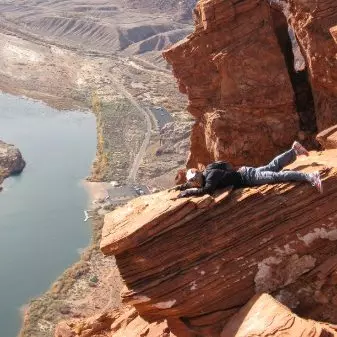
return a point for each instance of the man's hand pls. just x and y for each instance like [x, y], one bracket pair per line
[182, 194]
[187, 193]
[174, 188]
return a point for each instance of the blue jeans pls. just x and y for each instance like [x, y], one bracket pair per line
[270, 174]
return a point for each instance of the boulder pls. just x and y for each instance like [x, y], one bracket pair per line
[197, 261]
[263, 316]
[328, 138]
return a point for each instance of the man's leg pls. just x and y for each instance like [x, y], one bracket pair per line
[284, 159]
[278, 163]
[269, 177]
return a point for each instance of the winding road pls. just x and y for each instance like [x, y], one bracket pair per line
[139, 157]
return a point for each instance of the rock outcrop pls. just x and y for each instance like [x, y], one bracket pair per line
[328, 138]
[313, 24]
[263, 316]
[197, 261]
[237, 82]
[246, 87]
[11, 161]
[123, 323]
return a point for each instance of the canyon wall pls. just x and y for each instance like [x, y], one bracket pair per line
[237, 82]
[238, 70]
[313, 23]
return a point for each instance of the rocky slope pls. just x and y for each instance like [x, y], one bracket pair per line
[198, 260]
[11, 161]
[262, 316]
[238, 70]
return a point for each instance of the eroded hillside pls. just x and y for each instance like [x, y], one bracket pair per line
[130, 27]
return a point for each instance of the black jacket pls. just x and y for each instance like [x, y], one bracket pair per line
[214, 179]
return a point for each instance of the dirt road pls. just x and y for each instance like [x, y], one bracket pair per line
[136, 163]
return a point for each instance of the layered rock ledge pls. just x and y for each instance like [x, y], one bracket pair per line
[197, 261]
[11, 161]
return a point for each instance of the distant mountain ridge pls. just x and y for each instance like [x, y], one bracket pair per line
[134, 27]
[181, 9]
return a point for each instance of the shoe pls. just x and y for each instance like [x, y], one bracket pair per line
[299, 149]
[315, 181]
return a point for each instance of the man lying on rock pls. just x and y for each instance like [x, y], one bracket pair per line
[220, 175]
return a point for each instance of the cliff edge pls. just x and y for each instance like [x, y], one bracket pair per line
[196, 266]
[199, 260]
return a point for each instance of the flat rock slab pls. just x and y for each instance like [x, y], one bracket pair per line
[147, 216]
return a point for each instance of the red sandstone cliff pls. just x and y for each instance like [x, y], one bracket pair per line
[313, 23]
[238, 71]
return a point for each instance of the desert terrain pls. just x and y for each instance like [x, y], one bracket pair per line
[104, 56]
[74, 55]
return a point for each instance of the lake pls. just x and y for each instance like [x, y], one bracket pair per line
[41, 211]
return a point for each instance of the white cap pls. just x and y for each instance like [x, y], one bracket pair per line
[190, 174]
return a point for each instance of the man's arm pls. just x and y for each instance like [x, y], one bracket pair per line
[182, 187]
[211, 184]
[214, 180]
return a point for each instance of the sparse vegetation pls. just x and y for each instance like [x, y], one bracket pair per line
[120, 132]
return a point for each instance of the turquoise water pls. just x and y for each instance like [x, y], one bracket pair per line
[41, 211]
